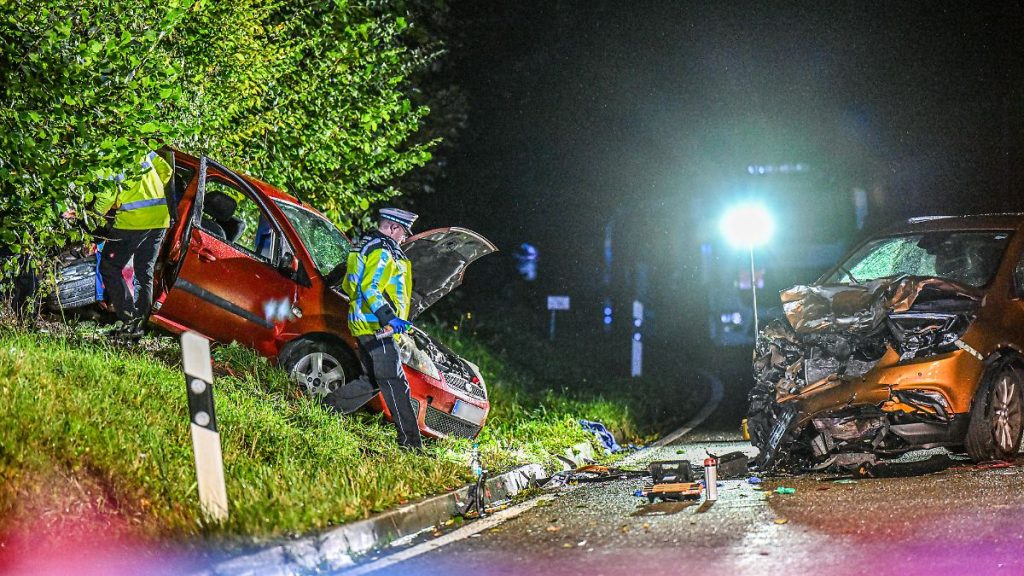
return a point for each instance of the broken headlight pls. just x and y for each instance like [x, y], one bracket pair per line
[919, 334]
[414, 358]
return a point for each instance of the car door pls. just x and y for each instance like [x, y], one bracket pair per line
[235, 278]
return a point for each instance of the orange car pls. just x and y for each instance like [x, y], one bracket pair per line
[914, 340]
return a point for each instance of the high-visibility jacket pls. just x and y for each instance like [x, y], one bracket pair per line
[378, 281]
[141, 205]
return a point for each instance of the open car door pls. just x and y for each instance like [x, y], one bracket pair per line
[235, 276]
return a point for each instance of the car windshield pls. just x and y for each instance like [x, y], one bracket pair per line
[967, 257]
[325, 243]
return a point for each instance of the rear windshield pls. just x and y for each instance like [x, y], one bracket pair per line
[967, 257]
[325, 243]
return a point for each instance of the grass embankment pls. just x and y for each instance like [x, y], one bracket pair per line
[114, 421]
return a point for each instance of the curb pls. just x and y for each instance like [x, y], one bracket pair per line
[336, 549]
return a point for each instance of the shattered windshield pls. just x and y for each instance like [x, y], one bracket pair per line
[325, 243]
[967, 257]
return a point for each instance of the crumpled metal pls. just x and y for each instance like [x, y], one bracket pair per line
[859, 308]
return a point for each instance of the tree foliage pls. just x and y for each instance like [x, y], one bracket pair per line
[311, 96]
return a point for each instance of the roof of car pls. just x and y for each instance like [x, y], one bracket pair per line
[1002, 221]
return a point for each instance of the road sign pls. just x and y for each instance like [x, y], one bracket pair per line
[195, 359]
[558, 302]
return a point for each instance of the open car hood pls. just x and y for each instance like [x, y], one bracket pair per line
[862, 308]
[439, 259]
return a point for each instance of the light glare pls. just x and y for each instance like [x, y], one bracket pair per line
[747, 226]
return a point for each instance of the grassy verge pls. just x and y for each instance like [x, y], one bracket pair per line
[116, 420]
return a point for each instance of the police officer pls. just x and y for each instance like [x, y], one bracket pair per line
[378, 281]
[139, 226]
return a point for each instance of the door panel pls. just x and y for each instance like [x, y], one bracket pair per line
[225, 289]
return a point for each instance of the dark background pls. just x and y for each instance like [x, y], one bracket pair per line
[651, 112]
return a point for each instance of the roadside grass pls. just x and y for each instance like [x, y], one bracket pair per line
[120, 419]
[117, 418]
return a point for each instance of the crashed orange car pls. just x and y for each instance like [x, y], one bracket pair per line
[914, 340]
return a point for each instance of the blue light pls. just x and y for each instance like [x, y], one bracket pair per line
[636, 336]
[607, 310]
[607, 320]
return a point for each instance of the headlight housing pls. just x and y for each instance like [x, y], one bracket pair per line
[415, 358]
[920, 334]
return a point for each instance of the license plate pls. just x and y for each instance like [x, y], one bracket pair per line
[467, 411]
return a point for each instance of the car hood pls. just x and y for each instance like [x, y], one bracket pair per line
[863, 308]
[439, 259]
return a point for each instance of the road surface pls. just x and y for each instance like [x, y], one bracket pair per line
[943, 517]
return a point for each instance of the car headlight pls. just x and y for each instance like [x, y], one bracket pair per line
[415, 358]
[920, 334]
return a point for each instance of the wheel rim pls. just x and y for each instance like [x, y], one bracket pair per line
[1006, 412]
[318, 374]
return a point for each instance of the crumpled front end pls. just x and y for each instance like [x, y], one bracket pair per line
[863, 371]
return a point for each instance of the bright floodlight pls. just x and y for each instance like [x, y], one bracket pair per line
[747, 226]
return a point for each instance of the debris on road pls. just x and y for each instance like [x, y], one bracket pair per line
[732, 465]
[711, 477]
[671, 480]
[603, 436]
[785, 490]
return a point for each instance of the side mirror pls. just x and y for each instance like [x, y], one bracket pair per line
[288, 264]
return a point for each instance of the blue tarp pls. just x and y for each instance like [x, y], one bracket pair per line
[603, 436]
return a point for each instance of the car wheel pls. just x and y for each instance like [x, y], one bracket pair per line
[997, 417]
[319, 368]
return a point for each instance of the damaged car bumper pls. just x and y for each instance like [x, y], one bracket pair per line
[857, 372]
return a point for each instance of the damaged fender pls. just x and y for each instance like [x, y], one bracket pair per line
[843, 373]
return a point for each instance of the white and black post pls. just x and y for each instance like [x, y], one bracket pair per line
[195, 356]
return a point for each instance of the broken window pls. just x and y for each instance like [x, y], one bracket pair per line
[326, 244]
[967, 257]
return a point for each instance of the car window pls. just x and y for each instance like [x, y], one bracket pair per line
[230, 214]
[967, 257]
[325, 243]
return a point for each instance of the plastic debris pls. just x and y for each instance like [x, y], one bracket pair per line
[753, 480]
[603, 436]
[785, 490]
[845, 481]
[781, 520]
[732, 465]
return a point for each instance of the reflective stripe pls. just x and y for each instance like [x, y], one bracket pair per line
[142, 204]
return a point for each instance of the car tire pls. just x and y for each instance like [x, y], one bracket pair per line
[997, 415]
[318, 367]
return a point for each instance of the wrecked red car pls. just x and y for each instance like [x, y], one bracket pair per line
[914, 340]
[244, 262]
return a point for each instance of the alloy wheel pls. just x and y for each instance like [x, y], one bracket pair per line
[318, 374]
[1006, 411]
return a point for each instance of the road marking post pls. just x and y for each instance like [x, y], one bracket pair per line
[195, 358]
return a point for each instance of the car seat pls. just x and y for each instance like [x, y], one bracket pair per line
[220, 208]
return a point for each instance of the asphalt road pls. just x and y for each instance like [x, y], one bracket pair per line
[946, 517]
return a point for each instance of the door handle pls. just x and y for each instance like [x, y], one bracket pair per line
[205, 255]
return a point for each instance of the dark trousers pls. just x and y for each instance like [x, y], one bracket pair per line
[123, 246]
[386, 370]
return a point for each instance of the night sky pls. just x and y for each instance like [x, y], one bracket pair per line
[579, 109]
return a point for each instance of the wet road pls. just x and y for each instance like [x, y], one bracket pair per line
[960, 520]
[954, 519]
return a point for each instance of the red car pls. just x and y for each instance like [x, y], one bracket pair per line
[245, 262]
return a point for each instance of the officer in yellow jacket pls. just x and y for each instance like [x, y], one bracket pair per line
[378, 281]
[140, 223]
